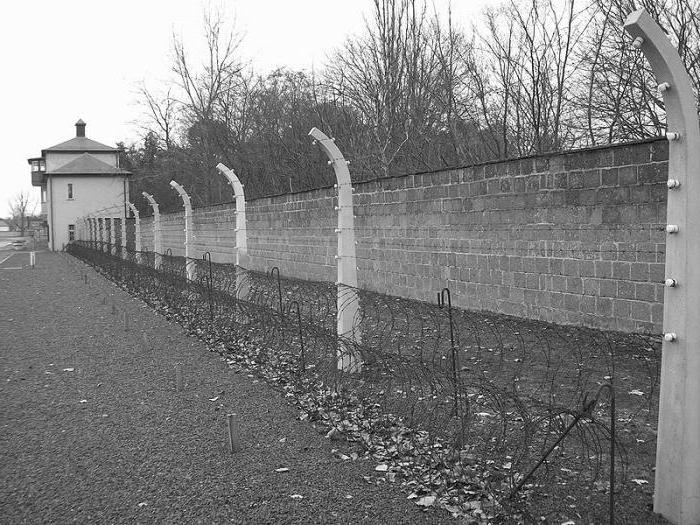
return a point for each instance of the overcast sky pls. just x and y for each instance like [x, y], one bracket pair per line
[62, 60]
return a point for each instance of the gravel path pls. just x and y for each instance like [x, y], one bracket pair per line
[92, 429]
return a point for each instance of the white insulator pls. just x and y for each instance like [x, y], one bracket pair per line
[670, 337]
[663, 87]
[673, 135]
[337, 208]
[236, 230]
[313, 142]
[336, 257]
[332, 139]
[347, 162]
[670, 283]
[330, 162]
[335, 186]
[637, 42]
[337, 230]
[672, 228]
[673, 184]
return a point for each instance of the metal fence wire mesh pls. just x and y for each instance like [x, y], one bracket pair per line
[547, 410]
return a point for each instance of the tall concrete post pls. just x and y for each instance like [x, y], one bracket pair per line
[101, 228]
[189, 262]
[242, 284]
[348, 305]
[137, 232]
[677, 491]
[113, 235]
[157, 236]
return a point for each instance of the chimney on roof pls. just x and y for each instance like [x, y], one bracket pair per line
[80, 128]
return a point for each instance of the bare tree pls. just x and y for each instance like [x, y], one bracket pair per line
[22, 206]
[390, 77]
[161, 113]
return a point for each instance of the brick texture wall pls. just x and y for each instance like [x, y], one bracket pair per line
[573, 238]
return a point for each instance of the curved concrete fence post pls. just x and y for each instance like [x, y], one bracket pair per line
[93, 220]
[122, 236]
[113, 235]
[677, 491]
[157, 238]
[348, 300]
[189, 262]
[101, 228]
[137, 232]
[242, 284]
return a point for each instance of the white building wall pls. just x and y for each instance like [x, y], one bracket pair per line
[91, 196]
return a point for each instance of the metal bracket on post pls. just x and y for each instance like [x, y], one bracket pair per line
[677, 491]
[189, 263]
[348, 300]
[157, 238]
[242, 284]
[137, 232]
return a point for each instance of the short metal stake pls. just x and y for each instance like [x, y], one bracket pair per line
[178, 378]
[234, 443]
[126, 321]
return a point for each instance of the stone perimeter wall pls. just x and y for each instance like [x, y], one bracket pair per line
[571, 238]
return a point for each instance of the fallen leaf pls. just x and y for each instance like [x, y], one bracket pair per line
[69, 369]
[143, 504]
[83, 400]
[214, 398]
[426, 501]
[382, 467]
[640, 481]
[296, 496]
[283, 440]
[636, 392]
[283, 469]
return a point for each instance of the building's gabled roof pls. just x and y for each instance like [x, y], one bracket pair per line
[87, 164]
[80, 144]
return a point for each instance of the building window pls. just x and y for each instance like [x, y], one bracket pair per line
[70, 190]
[71, 232]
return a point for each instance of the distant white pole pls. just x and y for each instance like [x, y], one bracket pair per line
[101, 227]
[242, 284]
[157, 239]
[137, 232]
[113, 235]
[348, 299]
[189, 262]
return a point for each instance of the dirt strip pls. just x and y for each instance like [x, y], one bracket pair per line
[93, 429]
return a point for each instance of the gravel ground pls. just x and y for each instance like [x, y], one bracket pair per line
[92, 429]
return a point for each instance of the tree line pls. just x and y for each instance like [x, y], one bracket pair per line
[415, 91]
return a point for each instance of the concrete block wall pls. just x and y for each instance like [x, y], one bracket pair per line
[572, 238]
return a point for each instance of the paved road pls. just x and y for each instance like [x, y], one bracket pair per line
[92, 429]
